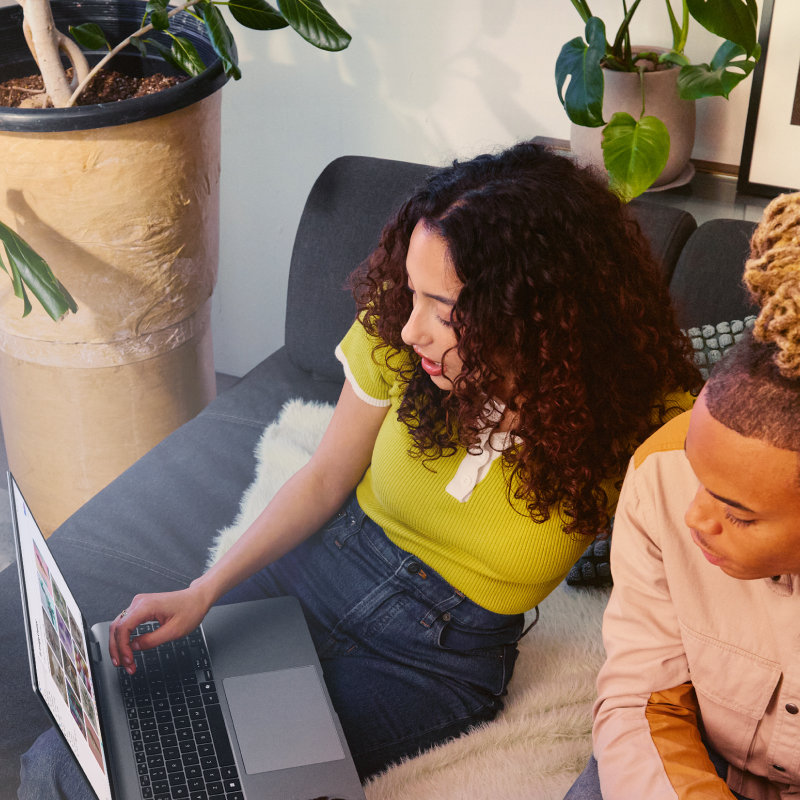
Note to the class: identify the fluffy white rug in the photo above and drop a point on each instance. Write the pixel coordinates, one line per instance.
(540, 743)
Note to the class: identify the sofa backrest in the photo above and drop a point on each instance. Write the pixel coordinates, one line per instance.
(706, 287)
(341, 223)
(346, 210)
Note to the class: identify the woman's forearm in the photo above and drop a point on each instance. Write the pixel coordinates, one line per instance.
(299, 509)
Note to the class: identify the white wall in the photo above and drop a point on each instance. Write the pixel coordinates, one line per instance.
(423, 80)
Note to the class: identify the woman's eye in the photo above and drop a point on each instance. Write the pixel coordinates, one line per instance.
(738, 521)
(446, 322)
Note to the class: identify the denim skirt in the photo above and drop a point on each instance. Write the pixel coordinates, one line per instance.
(409, 661)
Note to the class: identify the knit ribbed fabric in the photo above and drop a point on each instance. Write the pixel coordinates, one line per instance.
(485, 547)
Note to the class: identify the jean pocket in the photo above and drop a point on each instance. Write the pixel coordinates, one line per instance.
(490, 652)
(461, 637)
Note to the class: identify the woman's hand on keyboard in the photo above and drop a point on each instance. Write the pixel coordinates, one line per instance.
(177, 614)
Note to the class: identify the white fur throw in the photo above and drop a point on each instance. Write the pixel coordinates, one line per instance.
(541, 741)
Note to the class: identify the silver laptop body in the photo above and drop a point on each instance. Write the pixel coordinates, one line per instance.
(285, 740)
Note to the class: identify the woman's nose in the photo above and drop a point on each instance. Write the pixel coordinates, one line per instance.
(703, 514)
(413, 332)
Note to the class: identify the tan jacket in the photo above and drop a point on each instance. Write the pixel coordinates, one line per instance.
(689, 646)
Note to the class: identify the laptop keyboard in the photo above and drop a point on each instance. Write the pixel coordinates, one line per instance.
(178, 732)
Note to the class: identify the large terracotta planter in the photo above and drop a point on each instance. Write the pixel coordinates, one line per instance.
(623, 93)
(122, 200)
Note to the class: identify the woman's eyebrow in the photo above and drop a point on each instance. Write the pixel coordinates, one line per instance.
(448, 301)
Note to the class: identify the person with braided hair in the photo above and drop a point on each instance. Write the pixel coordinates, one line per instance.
(700, 693)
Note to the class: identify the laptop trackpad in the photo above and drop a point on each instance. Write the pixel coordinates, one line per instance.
(282, 719)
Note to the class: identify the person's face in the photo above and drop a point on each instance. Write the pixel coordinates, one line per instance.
(745, 517)
(434, 287)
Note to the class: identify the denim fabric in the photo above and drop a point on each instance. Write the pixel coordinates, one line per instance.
(587, 785)
(49, 770)
(409, 661)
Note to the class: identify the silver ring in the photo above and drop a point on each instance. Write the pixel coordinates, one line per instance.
(123, 613)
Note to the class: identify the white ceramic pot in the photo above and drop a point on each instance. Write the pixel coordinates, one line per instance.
(623, 93)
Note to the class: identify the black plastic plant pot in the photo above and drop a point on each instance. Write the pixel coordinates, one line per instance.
(118, 20)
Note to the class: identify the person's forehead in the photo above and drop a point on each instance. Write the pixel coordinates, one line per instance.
(750, 472)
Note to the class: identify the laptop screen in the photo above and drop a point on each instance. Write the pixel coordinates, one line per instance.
(57, 647)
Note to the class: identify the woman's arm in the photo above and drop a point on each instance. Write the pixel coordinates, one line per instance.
(300, 508)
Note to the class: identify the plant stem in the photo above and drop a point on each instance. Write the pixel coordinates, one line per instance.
(620, 51)
(121, 46)
(582, 7)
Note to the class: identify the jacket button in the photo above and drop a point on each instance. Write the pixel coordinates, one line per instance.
(413, 567)
(792, 708)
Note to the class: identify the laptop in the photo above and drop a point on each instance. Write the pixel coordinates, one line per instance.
(217, 714)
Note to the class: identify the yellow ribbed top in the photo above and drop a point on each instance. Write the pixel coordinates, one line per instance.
(496, 555)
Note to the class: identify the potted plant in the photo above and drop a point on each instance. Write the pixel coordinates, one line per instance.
(121, 200)
(636, 146)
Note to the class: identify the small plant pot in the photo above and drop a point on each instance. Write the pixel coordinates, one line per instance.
(122, 200)
(623, 92)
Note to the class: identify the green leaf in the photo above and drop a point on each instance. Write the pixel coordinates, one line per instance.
(728, 68)
(257, 14)
(139, 45)
(29, 269)
(735, 20)
(182, 55)
(671, 57)
(89, 36)
(186, 55)
(159, 18)
(635, 153)
(221, 39)
(310, 19)
(580, 62)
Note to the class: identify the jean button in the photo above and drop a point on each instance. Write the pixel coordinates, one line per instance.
(446, 616)
(413, 567)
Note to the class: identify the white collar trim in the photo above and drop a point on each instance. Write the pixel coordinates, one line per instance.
(475, 465)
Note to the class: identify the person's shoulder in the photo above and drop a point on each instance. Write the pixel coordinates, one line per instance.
(669, 437)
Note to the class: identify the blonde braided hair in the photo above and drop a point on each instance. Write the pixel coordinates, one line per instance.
(772, 276)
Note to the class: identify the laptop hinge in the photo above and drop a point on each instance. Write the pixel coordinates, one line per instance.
(95, 652)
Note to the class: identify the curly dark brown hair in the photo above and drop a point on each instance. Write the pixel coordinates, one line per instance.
(561, 300)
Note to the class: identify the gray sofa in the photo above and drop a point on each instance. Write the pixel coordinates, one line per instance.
(151, 528)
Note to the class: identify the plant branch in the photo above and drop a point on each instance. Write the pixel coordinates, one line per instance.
(46, 44)
(121, 46)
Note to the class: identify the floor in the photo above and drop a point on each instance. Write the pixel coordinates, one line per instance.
(6, 541)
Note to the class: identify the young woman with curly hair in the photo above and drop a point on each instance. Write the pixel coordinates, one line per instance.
(514, 343)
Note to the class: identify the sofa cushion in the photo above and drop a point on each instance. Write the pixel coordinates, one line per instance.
(706, 286)
(667, 230)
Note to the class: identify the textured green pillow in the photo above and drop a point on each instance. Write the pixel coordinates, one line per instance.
(709, 342)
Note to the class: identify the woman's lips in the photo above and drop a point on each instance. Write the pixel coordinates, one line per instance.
(433, 368)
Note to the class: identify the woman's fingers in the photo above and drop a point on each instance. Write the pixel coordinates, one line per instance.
(168, 609)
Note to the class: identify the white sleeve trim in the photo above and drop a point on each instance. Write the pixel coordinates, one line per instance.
(360, 393)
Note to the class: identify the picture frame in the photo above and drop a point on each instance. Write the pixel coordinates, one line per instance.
(770, 162)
